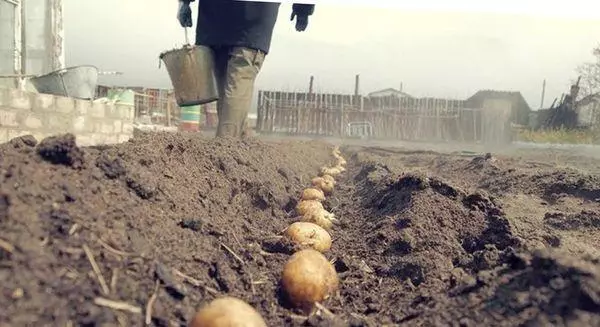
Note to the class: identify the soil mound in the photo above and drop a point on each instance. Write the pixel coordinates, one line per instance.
(581, 220)
(87, 234)
(539, 289)
(425, 227)
(548, 183)
(450, 255)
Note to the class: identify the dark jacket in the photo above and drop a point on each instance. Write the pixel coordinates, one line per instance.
(240, 23)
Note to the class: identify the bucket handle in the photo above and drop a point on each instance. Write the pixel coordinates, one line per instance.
(61, 72)
(187, 44)
(62, 81)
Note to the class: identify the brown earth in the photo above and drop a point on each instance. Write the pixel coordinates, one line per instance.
(164, 223)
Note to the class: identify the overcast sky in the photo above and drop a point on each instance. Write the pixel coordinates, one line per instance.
(434, 48)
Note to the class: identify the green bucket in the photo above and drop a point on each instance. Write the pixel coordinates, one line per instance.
(190, 118)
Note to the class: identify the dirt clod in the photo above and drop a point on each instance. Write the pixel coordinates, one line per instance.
(583, 219)
(61, 150)
(25, 141)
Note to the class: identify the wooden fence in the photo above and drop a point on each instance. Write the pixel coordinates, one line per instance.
(160, 105)
(423, 119)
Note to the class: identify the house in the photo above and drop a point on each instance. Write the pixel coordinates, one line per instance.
(588, 110)
(520, 110)
(386, 99)
(388, 92)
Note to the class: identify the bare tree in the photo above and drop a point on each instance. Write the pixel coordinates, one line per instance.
(590, 75)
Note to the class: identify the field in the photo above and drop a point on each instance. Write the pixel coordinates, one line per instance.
(145, 232)
(563, 136)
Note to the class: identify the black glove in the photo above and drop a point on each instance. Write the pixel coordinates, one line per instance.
(301, 21)
(184, 14)
(301, 11)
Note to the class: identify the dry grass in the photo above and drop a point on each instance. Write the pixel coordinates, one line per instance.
(563, 136)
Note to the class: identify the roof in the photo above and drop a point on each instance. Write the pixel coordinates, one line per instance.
(517, 99)
(520, 108)
(389, 90)
(595, 97)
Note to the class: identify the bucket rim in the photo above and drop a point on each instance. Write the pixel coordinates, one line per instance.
(186, 47)
(66, 69)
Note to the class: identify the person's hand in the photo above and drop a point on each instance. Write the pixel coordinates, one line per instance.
(301, 21)
(184, 14)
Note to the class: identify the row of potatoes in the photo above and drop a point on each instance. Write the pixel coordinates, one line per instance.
(308, 277)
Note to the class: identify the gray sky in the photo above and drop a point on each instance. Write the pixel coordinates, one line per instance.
(433, 48)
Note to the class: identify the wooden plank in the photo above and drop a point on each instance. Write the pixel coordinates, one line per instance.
(169, 110)
(259, 112)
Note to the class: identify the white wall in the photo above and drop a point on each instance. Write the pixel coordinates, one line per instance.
(6, 41)
(39, 37)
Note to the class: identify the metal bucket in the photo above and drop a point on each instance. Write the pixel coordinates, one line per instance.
(76, 82)
(191, 70)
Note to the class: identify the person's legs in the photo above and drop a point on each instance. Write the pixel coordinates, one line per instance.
(221, 58)
(243, 67)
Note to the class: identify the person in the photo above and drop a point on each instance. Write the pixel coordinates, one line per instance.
(239, 34)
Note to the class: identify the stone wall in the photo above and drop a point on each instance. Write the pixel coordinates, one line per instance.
(43, 115)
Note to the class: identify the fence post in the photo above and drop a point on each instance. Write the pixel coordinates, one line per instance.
(18, 44)
(259, 112)
(168, 109)
(57, 41)
(342, 134)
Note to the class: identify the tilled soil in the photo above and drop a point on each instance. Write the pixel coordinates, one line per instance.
(147, 231)
(470, 241)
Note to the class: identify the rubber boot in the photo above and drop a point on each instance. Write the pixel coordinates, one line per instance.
(237, 85)
(227, 130)
(246, 132)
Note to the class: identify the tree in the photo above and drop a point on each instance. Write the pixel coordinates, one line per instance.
(590, 75)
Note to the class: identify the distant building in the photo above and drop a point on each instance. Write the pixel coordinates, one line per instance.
(588, 110)
(520, 110)
(388, 92)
